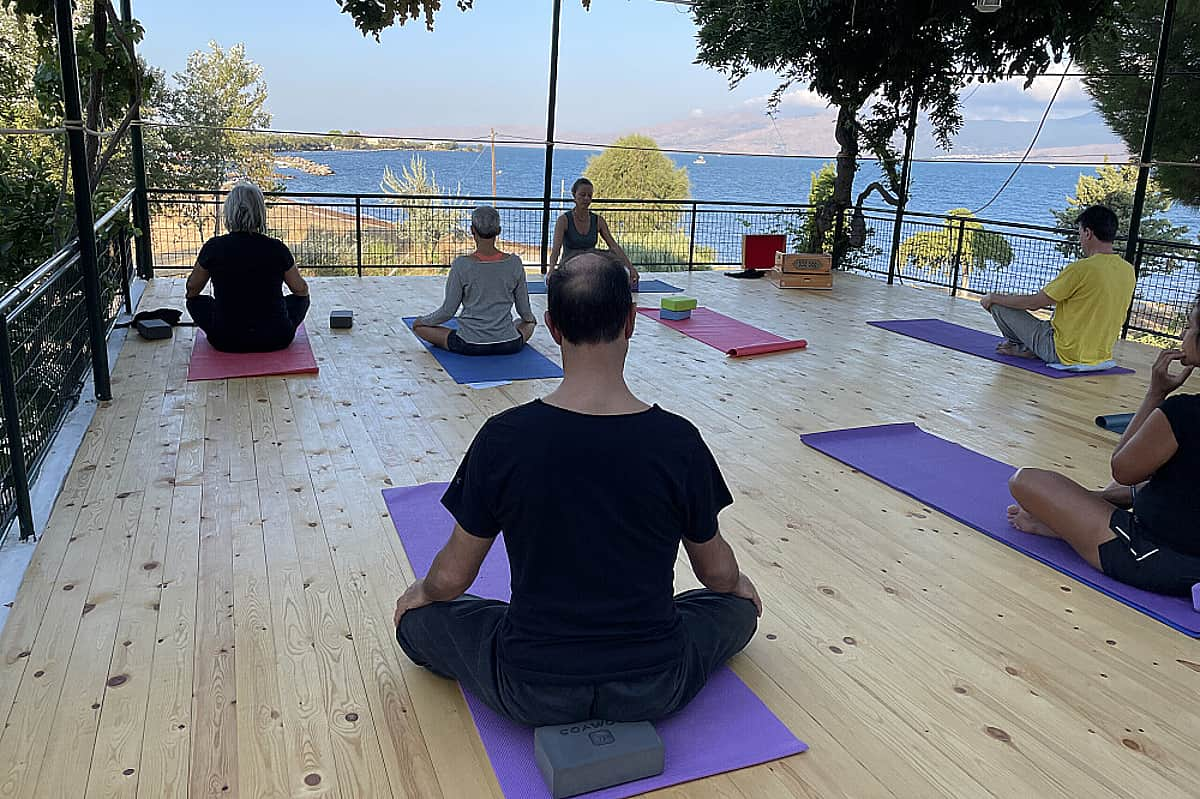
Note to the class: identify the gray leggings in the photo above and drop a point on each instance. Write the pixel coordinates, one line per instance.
(457, 640)
(1023, 328)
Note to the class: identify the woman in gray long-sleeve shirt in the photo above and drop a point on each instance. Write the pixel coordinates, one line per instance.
(487, 284)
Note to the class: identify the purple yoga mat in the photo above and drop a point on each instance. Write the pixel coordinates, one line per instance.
(975, 342)
(973, 489)
(725, 727)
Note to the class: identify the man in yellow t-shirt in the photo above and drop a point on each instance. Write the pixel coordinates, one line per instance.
(1090, 299)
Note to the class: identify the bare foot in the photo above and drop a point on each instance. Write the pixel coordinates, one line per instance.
(1024, 521)
(1014, 350)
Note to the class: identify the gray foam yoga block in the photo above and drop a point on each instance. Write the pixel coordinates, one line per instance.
(590, 755)
(341, 319)
(153, 329)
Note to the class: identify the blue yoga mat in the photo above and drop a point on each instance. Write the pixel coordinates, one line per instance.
(528, 364)
(644, 287)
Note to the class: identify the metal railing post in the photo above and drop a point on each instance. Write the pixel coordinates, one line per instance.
(216, 213)
(692, 241)
(957, 267)
(1139, 252)
(141, 205)
(81, 182)
(12, 429)
(358, 231)
(839, 223)
(126, 257)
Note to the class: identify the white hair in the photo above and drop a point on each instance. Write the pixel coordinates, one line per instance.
(486, 221)
(245, 209)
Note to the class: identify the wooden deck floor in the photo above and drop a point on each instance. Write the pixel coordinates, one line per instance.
(208, 613)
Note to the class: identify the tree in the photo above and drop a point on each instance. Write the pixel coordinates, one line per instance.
(894, 55)
(374, 16)
(428, 219)
(820, 194)
(959, 239)
(35, 215)
(633, 168)
(218, 90)
(1113, 186)
(1119, 61)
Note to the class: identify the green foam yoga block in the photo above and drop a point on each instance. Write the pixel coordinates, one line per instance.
(678, 303)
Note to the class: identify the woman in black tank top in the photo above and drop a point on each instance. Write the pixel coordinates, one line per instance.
(578, 231)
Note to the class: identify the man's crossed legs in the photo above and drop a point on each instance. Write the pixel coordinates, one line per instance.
(1025, 335)
(457, 640)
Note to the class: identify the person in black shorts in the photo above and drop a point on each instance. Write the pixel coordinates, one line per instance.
(247, 311)
(594, 490)
(1144, 528)
(486, 284)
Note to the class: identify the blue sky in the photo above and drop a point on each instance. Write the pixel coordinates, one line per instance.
(623, 64)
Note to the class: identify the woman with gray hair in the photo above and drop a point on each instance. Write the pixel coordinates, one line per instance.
(486, 284)
(247, 311)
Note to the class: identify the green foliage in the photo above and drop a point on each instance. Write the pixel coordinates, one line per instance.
(31, 226)
(219, 89)
(1113, 186)
(374, 16)
(642, 172)
(820, 193)
(1113, 56)
(427, 220)
(961, 237)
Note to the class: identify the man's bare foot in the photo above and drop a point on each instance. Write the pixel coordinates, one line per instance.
(1024, 521)
(1015, 350)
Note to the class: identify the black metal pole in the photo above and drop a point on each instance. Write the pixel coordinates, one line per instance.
(905, 171)
(692, 241)
(550, 104)
(141, 206)
(81, 182)
(1139, 194)
(12, 428)
(358, 231)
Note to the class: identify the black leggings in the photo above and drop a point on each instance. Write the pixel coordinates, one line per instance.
(458, 640)
(251, 336)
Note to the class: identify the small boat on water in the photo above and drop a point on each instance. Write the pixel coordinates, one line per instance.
(700, 160)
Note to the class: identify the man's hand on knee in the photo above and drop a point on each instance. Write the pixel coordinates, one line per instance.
(746, 590)
(415, 597)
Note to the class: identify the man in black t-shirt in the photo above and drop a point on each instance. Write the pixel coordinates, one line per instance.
(594, 490)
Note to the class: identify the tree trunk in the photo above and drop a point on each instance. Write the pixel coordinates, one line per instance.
(95, 101)
(847, 166)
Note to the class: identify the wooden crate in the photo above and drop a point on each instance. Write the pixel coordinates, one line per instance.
(803, 263)
(805, 280)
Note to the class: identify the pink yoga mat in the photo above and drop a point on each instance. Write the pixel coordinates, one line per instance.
(735, 339)
(725, 727)
(211, 364)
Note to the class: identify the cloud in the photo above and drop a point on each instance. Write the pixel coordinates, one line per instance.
(793, 99)
(1008, 100)
(696, 113)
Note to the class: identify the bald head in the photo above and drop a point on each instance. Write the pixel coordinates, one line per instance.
(589, 299)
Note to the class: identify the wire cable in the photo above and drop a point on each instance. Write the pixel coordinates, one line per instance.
(1032, 142)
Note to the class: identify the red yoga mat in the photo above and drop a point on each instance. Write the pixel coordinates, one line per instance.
(735, 339)
(211, 364)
